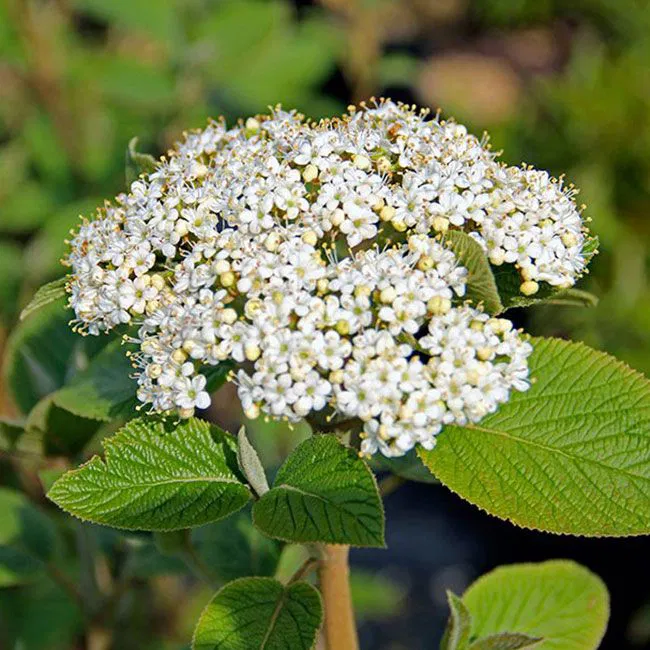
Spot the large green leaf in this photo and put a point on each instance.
(409, 467)
(39, 616)
(260, 614)
(560, 602)
(156, 477)
(43, 353)
(61, 431)
(105, 390)
(48, 293)
(570, 455)
(481, 286)
(234, 548)
(323, 493)
(28, 539)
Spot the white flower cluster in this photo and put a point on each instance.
(313, 256)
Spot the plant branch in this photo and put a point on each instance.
(334, 575)
(304, 569)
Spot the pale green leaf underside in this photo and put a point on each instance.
(156, 478)
(559, 601)
(260, 614)
(571, 455)
(481, 286)
(250, 464)
(459, 625)
(323, 493)
(44, 296)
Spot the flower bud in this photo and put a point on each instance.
(529, 288)
(272, 242)
(310, 173)
(228, 316)
(310, 238)
(252, 412)
(497, 257)
(337, 217)
(569, 239)
(227, 279)
(438, 305)
(360, 161)
(221, 266)
(252, 351)
(387, 295)
(157, 281)
(440, 224)
(178, 356)
(342, 327)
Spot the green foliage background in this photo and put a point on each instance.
(562, 85)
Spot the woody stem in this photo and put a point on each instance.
(334, 575)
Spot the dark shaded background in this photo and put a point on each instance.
(562, 85)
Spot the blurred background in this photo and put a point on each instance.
(563, 85)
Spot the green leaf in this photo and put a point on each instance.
(62, 432)
(574, 297)
(323, 493)
(137, 163)
(459, 625)
(105, 390)
(409, 467)
(156, 477)
(570, 455)
(43, 353)
(509, 282)
(250, 464)
(260, 613)
(47, 294)
(234, 548)
(560, 602)
(27, 538)
(39, 616)
(506, 641)
(481, 286)
(10, 431)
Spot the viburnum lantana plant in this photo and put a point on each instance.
(351, 274)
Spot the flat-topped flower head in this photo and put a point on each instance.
(314, 257)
